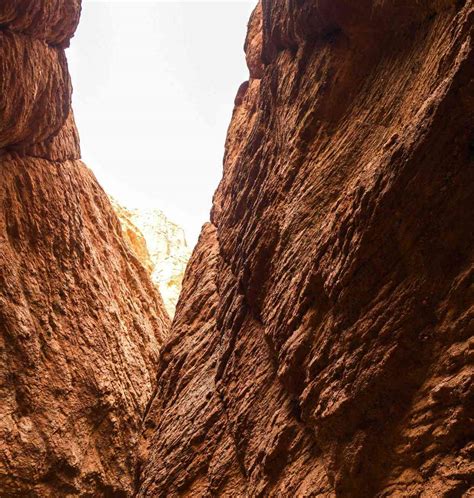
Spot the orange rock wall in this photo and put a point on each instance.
(321, 345)
(80, 321)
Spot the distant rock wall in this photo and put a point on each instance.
(160, 245)
(81, 323)
(322, 343)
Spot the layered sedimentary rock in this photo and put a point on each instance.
(160, 245)
(80, 321)
(322, 342)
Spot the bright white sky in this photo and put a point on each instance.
(154, 86)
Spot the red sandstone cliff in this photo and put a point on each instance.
(321, 345)
(80, 321)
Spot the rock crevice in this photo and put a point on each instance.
(322, 341)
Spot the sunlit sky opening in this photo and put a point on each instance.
(154, 86)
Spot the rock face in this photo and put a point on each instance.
(160, 245)
(80, 321)
(321, 345)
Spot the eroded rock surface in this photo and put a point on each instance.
(51, 21)
(160, 245)
(80, 321)
(322, 343)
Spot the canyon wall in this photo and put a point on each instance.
(160, 245)
(322, 342)
(80, 321)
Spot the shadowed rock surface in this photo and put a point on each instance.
(322, 342)
(80, 321)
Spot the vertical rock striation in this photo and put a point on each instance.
(321, 345)
(80, 321)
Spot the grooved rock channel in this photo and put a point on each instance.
(80, 321)
(322, 344)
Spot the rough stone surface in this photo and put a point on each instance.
(194, 432)
(80, 321)
(33, 77)
(51, 21)
(322, 345)
(160, 245)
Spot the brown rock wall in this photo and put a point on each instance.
(321, 345)
(81, 323)
(81, 326)
(35, 88)
(342, 316)
(52, 21)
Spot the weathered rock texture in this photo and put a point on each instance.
(160, 245)
(321, 345)
(80, 321)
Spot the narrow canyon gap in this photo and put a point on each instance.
(322, 341)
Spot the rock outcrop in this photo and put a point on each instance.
(322, 342)
(160, 245)
(80, 321)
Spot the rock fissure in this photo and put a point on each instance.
(321, 341)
